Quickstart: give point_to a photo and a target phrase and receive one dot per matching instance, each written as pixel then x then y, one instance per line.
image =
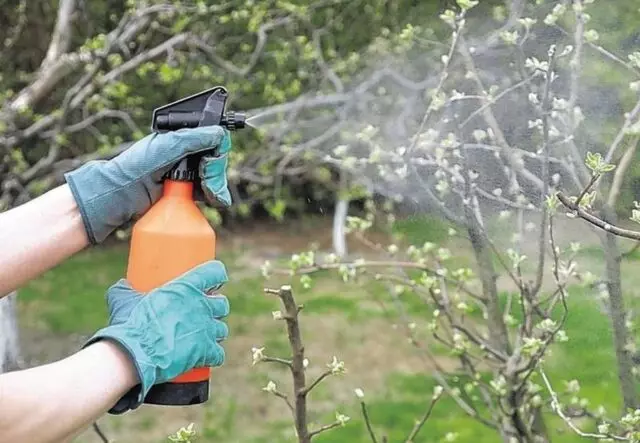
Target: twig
pixel 367 422
pixel 631 251
pixel 282 361
pixel 423 420
pixel 545 172
pixel 317 381
pixel 592 181
pixel 608 227
pixel 555 405
pixel 621 171
pixel 324 428
pixel 629 120
pixel 285 398
pixel 377 264
pixel 443 76
pixel 101 434
pixel 496 99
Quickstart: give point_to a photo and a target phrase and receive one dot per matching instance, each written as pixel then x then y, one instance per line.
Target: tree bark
pixel 10 358
pixel 617 313
pixel 497 329
pixel 339 221
pixel 514 426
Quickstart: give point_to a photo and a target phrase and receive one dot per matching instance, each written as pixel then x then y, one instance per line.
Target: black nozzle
pixel 206 108
pixel 234 120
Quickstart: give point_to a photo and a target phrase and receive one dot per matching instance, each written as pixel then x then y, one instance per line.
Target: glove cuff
pixel 104 201
pixel 145 370
pixel 70 178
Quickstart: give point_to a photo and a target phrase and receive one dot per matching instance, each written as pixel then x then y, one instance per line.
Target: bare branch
pixel 95 118
pixel 297 368
pixel 100 433
pixel 597 221
pixel 325 428
pixel 491 120
pixel 316 382
pixel 281 361
pixel 621 170
pixel 555 405
pixel 61 38
pixel 546 107
pixel 253 58
pixel 285 398
pixel 47 78
pixel 631 117
pixel 367 422
pixel 172 43
pixel 418 426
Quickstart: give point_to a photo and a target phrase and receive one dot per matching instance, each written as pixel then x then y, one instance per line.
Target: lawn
pixel 62 307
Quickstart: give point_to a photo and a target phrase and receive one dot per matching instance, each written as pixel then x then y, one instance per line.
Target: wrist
pixel 130 349
pixel 118 361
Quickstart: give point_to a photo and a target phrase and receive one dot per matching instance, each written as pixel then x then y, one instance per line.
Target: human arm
pixel 51 403
pixel 99 197
pixel 151 338
pixel 37 236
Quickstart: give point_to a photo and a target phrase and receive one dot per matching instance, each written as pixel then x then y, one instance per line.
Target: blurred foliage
pixel 303 37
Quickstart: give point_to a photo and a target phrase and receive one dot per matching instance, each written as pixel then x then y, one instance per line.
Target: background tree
pixel 463 109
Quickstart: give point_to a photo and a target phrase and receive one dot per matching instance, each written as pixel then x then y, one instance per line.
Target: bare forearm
pixel 54 402
pixel 37 236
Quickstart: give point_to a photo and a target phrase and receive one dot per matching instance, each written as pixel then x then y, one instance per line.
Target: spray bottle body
pixel 174 236
pixel 170 239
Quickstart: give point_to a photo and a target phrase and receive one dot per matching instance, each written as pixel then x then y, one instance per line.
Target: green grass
pixel 417 229
pixel 587 357
pixel 70 299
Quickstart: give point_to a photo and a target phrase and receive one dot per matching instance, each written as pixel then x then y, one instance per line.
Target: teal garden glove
pixel 109 193
pixel 170 330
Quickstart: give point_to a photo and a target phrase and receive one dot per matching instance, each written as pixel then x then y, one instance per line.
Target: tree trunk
pixel 339 222
pixel 10 358
pixel 617 314
pixel 497 329
pixel 515 426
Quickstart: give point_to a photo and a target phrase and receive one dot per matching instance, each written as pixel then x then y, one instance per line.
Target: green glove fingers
pixel 204 278
pixel 110 193
pixel 213 176
pixel 170 330
pixel 214 180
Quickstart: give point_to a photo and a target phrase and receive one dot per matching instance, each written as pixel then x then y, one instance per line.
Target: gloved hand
pixel 110 193
pixel 169 331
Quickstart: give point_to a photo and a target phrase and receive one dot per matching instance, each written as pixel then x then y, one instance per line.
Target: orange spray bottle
pixel 173 236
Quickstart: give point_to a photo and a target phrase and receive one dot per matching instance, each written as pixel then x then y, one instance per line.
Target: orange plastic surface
pixel 170 239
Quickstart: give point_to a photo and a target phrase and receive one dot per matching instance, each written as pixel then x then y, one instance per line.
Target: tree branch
pixel 367 422
pixel 418 426
pixel 297 367
pixel 621 171
pixel 253 58
pixel 629 120
pixel 555 405
pixel 61 37
pixel 595 220
pixel 546 108
pixel 172 43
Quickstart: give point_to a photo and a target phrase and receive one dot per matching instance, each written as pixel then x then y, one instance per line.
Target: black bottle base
pixel 178 394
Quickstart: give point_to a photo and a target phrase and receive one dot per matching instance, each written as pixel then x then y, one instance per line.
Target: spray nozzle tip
pixel 234 120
